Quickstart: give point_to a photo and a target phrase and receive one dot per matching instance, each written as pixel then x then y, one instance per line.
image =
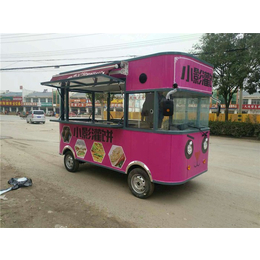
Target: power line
pixel 104 47
pixel 11 35
pixel 24 35
pixel 48 39
pixel 70 59
pixel 99 62
pixel 55 66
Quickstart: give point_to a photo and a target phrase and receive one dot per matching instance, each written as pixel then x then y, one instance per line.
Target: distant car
pixel 36 116
pixel 50 113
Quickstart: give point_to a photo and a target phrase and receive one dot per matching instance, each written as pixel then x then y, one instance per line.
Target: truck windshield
pixel 190 111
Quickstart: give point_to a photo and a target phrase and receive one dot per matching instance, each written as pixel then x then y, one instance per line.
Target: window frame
pixel 126 110
pixel 156 111
pixel 255 101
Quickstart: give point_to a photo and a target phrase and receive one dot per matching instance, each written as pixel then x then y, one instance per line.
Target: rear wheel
pixel 140 184
pixel 70 163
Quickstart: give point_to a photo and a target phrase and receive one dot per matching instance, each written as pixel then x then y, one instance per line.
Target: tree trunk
pixel 226 109
pixel 227 102
pixel 226 113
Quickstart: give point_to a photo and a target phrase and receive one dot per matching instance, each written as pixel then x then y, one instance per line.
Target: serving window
pixel 109 106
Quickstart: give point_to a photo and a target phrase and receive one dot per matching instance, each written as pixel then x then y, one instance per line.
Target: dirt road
pixel 227 195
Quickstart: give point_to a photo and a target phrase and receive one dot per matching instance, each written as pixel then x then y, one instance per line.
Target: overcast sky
pixel 102 31
pixel 29 50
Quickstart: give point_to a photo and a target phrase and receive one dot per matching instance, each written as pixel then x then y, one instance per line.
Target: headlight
pixel 205 144
pixel 189 149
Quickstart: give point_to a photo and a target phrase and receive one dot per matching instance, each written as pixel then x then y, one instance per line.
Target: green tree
pixel 236 62
pixel 251 41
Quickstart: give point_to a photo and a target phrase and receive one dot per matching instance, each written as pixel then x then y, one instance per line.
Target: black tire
pixel 140 184
pixel 70 163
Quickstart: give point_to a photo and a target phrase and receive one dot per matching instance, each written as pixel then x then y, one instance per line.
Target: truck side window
pixel 141 110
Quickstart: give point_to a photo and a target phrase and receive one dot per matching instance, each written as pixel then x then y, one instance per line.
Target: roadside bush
pixel 235 129
pixel 257 131
pixel 217 127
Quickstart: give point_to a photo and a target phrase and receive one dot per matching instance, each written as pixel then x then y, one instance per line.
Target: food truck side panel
pixel 117 148
pixel 158 76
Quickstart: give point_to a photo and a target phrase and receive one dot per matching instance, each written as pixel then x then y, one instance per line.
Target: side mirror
pixel 168 107
pixel 218 109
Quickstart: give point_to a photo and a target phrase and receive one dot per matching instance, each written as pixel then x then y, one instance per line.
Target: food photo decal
pixel 98 152
pixel 66 134
pixel 80 148
pixel 117 156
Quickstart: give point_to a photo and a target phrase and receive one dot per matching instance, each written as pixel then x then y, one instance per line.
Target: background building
pixel 24 101
pixel 38 101
pixel 11 102
pixel 78 103
pixel 250 104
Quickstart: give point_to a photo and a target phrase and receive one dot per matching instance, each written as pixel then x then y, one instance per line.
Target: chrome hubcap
pixel 69 161
pixel 138 183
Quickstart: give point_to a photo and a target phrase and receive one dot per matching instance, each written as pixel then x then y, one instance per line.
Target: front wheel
pixel 71 164
pixel 139 183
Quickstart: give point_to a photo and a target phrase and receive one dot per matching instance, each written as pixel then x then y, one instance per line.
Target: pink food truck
pixel 146 117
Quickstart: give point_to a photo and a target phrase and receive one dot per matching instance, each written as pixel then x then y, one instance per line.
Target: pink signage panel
pixel 163 71
pixel 192 74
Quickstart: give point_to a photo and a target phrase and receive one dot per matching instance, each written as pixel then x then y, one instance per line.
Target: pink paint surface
pixel 164 70
pixel 163 154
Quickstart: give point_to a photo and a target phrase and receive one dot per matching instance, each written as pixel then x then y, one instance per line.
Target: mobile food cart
pixel 161 134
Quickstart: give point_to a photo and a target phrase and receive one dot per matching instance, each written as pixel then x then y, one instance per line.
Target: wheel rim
pixel 69 161
pixel 138 183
